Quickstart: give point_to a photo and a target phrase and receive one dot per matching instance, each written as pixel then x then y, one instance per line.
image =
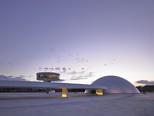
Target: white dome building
pixel 115 84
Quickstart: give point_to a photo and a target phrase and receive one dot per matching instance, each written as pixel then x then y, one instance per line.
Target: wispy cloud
pixel 145 82
pixel 80 75
pixel 12 78
pixel 81 60
pixel 6 63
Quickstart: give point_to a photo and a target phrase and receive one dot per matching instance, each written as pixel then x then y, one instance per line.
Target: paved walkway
pixel 107 105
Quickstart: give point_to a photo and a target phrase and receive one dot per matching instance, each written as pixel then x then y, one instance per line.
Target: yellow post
pixel 99 91
pixel 64 92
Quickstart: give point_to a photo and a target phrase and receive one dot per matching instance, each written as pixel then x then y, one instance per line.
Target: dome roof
pixel 116 84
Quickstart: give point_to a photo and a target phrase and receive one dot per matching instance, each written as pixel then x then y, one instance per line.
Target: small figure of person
pixel 144 90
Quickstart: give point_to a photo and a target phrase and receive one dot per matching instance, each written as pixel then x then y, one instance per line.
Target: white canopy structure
pixel 63 86
pixel 107 84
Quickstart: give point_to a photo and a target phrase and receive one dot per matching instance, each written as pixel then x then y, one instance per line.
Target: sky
pixel 82 40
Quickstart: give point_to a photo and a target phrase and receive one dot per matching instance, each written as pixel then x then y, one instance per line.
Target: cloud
pixel 90 74
pixel 146 82
pixel 72 73
pixel 11 78
pixel 80 75
pixel 78 78
pixel 81 60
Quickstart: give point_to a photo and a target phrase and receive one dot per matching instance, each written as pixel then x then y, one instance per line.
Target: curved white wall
pixel 116 84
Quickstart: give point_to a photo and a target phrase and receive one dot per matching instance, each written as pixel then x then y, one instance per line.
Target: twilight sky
pixel 80 39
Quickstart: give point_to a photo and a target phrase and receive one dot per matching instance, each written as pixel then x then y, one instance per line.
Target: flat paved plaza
pixel 41 104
